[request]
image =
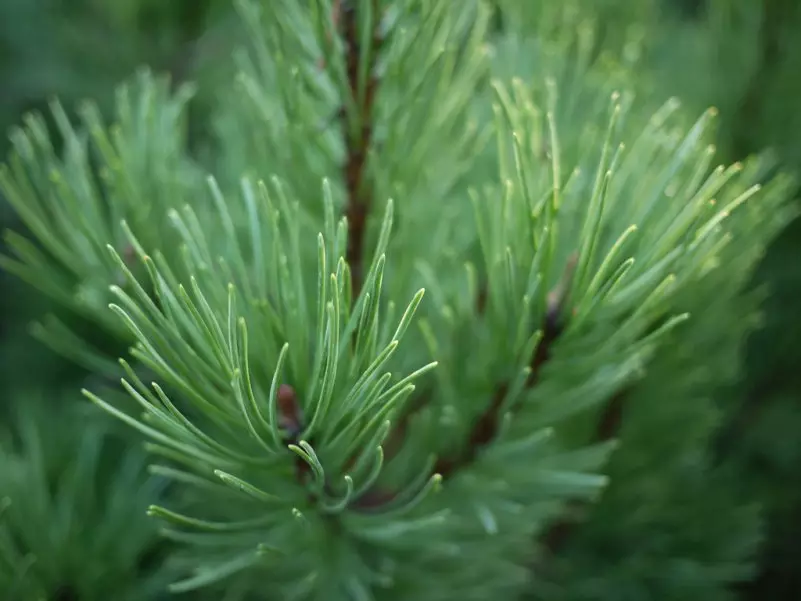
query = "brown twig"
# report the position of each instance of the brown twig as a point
(481, 299)
(290, 420)
(357, 143)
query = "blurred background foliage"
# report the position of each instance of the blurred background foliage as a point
(742, 56)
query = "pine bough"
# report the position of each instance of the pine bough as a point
(539, 424)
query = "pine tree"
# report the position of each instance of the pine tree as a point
(442, 313)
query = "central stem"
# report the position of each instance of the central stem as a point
(359, 138)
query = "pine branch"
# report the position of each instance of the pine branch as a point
(486, 427)
(74, 201)
(358, 189)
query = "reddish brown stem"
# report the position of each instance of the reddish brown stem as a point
(290, 420)
(481, 300)
(357, 144)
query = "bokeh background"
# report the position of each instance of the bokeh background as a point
(743, 56)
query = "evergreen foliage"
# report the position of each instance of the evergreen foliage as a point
(442, 313)
(64, 200)
(73, 524)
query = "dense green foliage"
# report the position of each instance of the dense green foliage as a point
(421, 303)
(74, 523)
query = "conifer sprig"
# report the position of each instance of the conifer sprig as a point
(74, 198)
(243, 430)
